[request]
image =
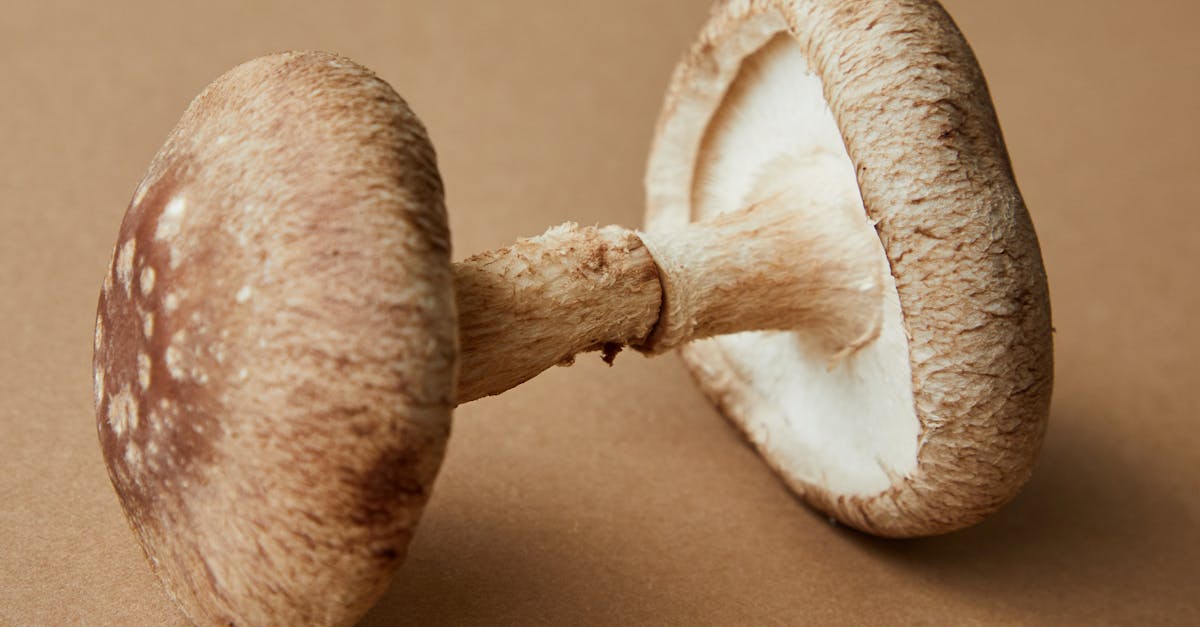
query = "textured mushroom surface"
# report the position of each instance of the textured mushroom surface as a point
(275, 344)
(939, 421)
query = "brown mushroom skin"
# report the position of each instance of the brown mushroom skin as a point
(275, 347)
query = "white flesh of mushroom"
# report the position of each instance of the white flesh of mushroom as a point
(852, 428)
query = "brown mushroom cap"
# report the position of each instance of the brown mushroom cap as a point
(939, 421)
(276, 344)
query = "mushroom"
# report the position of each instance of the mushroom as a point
(937, 422)
(281, 337)
(276, 346)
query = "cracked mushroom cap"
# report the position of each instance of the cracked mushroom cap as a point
(938, 422)
(275, 345)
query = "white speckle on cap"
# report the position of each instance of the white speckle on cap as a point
(143, 362)
(242, 374)
(98, 385)
(133, 455)
(221, 139)
(125, 263)
(173, 365)
(244, 294)
(147, 280)
(171, 219)
(174, 356)
(171, 302)
(148, 324)
(123, 411)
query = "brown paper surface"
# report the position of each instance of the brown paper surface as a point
(597, 495)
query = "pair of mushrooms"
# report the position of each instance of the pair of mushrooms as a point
(834, 240)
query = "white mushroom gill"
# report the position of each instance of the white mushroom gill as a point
(852, 428)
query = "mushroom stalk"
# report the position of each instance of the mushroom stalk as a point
(538, 302)
(786, 263)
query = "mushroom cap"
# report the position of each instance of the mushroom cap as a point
(275, 354)
(938, 422)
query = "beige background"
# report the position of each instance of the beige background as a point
(598, 495)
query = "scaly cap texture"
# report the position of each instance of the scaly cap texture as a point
(276, 344)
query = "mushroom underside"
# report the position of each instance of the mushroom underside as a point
(879, 109)
(847, 426)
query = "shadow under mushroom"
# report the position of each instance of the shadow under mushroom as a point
(1092, 531)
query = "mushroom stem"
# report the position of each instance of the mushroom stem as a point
(788, 262)
(538, 302)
